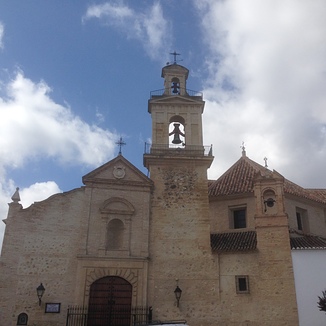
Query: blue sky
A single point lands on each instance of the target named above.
(76, 75)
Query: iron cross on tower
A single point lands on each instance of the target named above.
(175, 56)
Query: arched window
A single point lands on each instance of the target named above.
(115, 230)
(22, 319)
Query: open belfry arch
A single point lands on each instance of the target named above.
(176, 110)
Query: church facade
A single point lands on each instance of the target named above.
(175, 245)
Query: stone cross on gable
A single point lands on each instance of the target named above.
(120, 143)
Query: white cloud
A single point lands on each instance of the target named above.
(37, 192)
(155, 30)
(32, 125)
(267, 84)
(2, 31)
(115, 12)
(100, 118)
(149, 27)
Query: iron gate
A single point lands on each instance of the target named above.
(115, 316)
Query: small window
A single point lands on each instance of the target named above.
(22, 319)
(239, 218)
(242, 283)
(299, 221)
(302, 220)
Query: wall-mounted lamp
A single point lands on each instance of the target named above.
(269, 203)
(177, 293)
(40, 291)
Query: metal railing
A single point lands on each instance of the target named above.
(115, 316)
(181, 91)
(166, 322)
(179, 150)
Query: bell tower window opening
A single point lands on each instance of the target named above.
(177, 131)
(175, 86)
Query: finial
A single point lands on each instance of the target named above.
(175, 57)
(15, 197)
(120, 143)
(265, 159)
(243, 149)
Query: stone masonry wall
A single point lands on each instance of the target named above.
(180, 245)
(41, 246)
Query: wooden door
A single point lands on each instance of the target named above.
(110, 302)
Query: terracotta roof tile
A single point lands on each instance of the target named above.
(247, 241)
(239, 178)
(321, 193)
(234, 241)
(304, 241)
(318, 195)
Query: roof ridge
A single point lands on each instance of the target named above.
(258, 167)
(294, 189)
(237, 179)
(317, 189)
(230, 168)
(240, 178)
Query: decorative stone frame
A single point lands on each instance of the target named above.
(303, 213)
(107, 210)
(120, 209)
(130, 275)
(237, 284)
(231, 210)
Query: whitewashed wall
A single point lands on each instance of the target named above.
(310, 280)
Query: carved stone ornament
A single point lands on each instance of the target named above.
(119, 172)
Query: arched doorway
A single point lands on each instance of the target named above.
(110, 302)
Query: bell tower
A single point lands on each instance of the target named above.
(177, 162)
(176, 111)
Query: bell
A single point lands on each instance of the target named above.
(176, 139)
(176, 132)
(175, 88)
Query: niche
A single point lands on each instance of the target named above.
(114, 235)
(269, 201)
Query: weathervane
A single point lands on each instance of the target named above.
(120, 143)
(174, 57)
